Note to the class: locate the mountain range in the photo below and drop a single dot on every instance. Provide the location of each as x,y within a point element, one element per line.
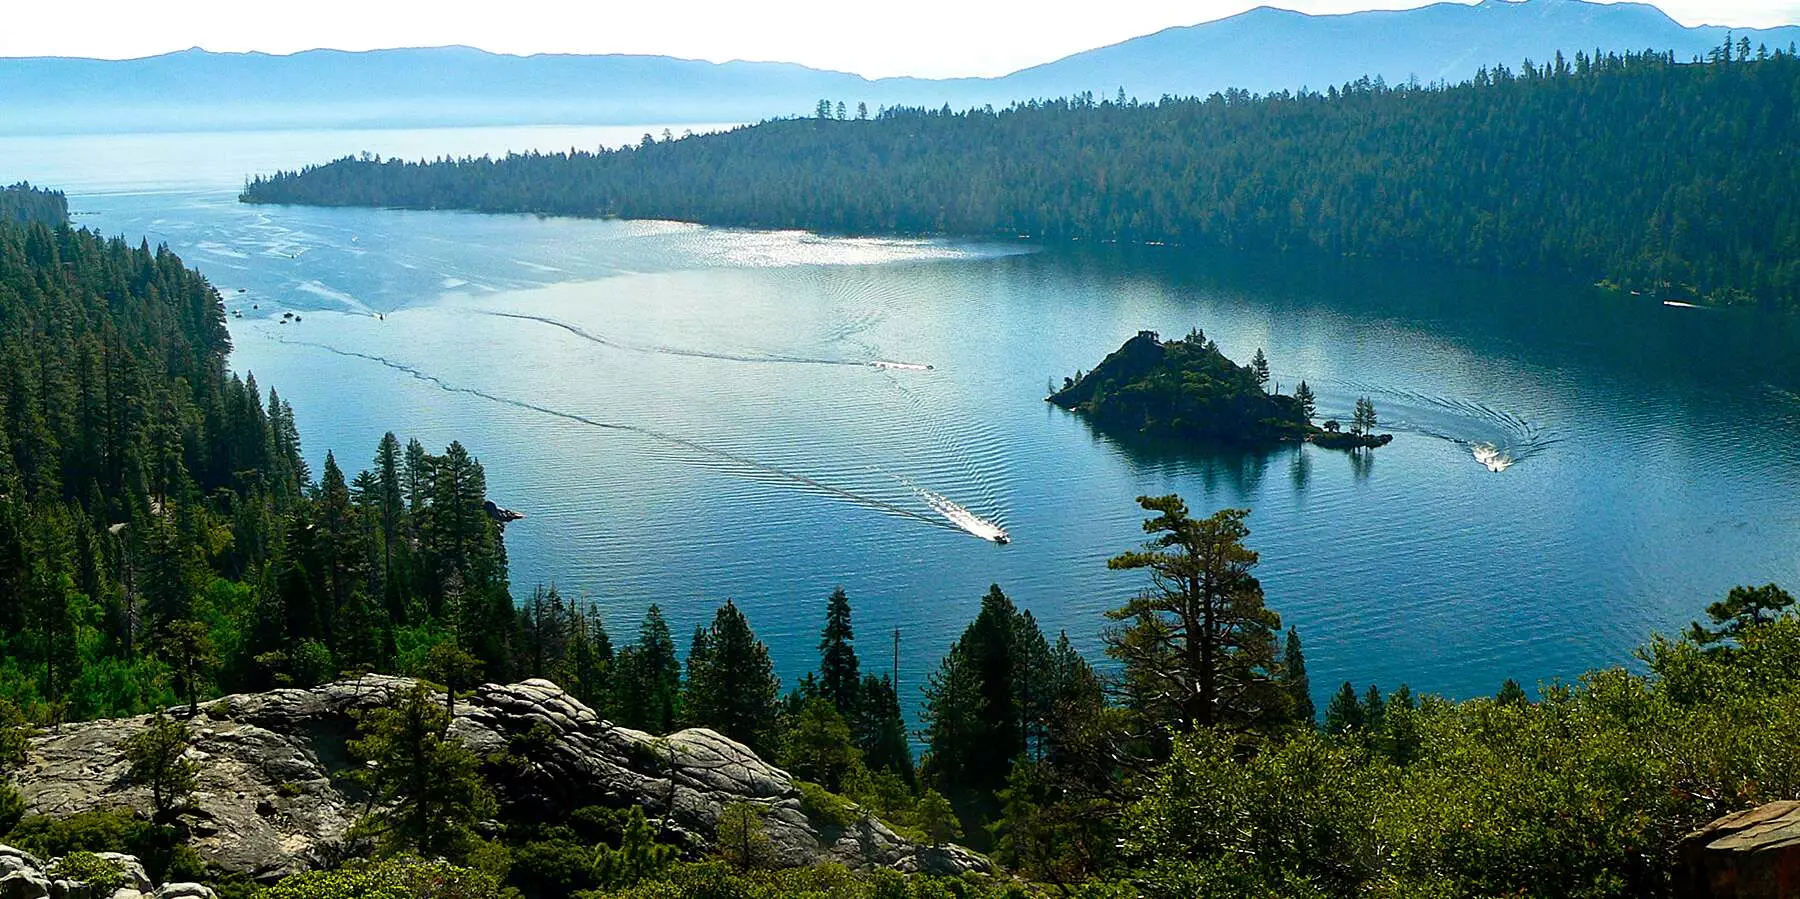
<point>1264,49</point>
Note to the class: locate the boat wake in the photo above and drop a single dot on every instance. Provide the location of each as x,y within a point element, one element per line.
<point>955,517</point>
<point>1494,458</point>
<point>1495,438</point>
<point>663,350</point>
<point>962,517</point>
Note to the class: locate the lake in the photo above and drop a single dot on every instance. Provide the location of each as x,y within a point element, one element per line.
<point>688,415</point>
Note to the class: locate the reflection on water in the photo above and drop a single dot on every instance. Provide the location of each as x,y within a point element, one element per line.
<point>690,414</point>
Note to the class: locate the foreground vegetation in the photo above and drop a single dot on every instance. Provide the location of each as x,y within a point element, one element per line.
<point>1669,179</point>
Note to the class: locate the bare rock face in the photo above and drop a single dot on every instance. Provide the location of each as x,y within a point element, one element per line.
<point>1752,854</point>
<point>273,798</point>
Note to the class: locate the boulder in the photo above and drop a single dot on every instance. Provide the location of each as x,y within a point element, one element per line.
<point>273,798</point>
<point>72,889</point>
<point>24,878</point>
<point>184,891</point>
<point>1752,854</point>
<point>17,860</point>
<point>24,885</point>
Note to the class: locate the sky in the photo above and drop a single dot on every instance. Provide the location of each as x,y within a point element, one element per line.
<point>926,38</point>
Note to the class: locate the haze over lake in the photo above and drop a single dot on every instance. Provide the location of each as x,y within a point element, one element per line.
<point>689,414</point>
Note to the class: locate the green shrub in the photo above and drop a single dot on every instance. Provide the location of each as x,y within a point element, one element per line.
<point>639,856</point>
<point>162,851</point>
<point>827,807</point>
<point>553,868</point>
<point>394,878</point>
<point>718,880</point>
<point>101,830</point>
<point>85,867</point>
<point>12,808</point>
<point>177,862</point>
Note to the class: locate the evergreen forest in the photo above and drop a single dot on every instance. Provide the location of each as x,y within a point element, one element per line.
<point>1666,178</point>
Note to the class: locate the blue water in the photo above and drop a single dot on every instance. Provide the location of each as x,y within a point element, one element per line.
<point>689,414</point>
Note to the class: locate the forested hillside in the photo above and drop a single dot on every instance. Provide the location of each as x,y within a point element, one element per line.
<point>23,204</point>
<point>155,511</point>
<point>1671,179</point>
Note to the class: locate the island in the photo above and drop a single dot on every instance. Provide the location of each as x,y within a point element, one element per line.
<point>1190,390</point>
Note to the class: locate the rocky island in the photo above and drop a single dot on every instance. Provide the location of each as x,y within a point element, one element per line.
<point>1190,390</point>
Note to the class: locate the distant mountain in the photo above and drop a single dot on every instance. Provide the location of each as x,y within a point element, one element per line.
<point>1271,49</point>
<point>1261,50</point>
<point>199,90</point>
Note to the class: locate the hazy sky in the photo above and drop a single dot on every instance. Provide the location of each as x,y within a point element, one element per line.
<point>933,38</point>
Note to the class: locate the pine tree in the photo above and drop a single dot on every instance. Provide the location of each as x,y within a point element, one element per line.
<point>1345,712</point>
<point>880,729</point>
<point>731,685</point>
<point>1374,712</point>
<point>337,543</point>
<point>956,724</point>
<point>817,746</point>
<point>156,758</point>
<point>587,669</point>
<point>1198,645</point>
<point>452,666</point>
<point>647,677</point>
<point>544,634</point>
<point>188,648</point>
<point>1362,420</point>
<point>1742,609</point>
<point>1034,685</point>
<point>390,503</point>
<point>1309,404</point>
<point>1259,367</point>
<point>937,819</point>
<point>1294,680</point>
<point>427,784</point>
<point>975,708</point>
<point>838,674</point>
<point>1511,694</point>
<point>1400,736</point>
<point>638,858</point>
<point>417,477</point>
<point>742,838</point>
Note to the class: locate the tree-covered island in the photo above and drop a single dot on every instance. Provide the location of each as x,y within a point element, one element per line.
<point>1188,389</point>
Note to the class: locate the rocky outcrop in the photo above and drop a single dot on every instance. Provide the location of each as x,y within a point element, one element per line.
<point>22,876</point>
<point>1753,854</point>
<point>273,798</point>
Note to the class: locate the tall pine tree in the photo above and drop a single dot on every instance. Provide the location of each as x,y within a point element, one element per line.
<point>731,685</point>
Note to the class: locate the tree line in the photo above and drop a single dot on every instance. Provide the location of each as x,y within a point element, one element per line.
<point>1195,764</point>
<point>22,204</point>
<point>1665,178</point>
<point>161,534</point>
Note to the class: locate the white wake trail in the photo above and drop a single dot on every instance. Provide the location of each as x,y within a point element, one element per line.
<point>1491,456</point>
<point>961,517</point>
